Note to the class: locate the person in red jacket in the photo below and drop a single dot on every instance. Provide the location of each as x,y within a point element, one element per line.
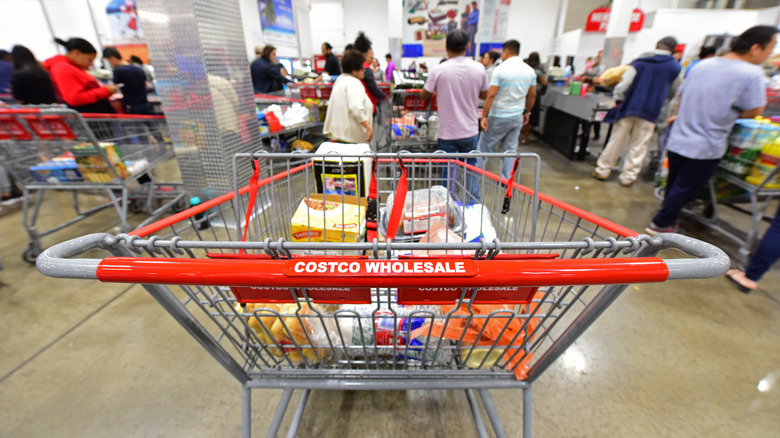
<point>73,84</point>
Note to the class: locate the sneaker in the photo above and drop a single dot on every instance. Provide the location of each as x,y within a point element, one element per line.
<point>598,177</point>
<point>10,199</point>
<point>626,183</point>
<point>654,229</point>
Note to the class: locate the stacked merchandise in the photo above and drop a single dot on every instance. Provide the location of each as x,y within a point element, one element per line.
<point>92,165</point>
<point>276,118</point>
<point>84,163</point>
<point>58,169</point>
<point>422,126</point>
<point>754,151</point>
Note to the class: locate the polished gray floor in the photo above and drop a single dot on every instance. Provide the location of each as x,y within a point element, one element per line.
<point>676,359</point>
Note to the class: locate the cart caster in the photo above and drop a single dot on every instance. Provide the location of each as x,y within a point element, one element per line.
<point>179,206</point>
<point>136,206</point>
<point>31,254</point>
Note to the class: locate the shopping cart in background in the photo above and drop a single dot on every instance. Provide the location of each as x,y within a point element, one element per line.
<point>113,156</point>
<point>502,281</point>
<point>414,125</point>
<point>295,119</point>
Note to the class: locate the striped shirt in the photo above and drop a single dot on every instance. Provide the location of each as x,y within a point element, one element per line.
<point>513,78</point>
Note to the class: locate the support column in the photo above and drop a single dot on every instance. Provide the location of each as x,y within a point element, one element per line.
<point>202,72</point>
<point>617,30</point>
<point>560,25</point>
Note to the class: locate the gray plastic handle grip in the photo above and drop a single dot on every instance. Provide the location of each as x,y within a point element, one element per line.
<point>710,260</point>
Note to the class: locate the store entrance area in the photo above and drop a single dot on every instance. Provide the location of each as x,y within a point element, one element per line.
<point>680,359</point>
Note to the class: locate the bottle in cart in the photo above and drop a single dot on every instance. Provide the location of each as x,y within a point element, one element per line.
<point>433,127</point>
<point>200,218</point>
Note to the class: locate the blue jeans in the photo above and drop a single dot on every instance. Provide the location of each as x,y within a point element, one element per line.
<point>504,131</point>
<point>768,251</point>
<point>686,179</point>
<point>450,178</point>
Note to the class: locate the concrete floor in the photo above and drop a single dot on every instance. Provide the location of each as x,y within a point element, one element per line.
<point>678,359</point>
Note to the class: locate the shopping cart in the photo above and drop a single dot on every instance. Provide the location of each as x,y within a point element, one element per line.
<point>52,148</point>
<point>301,127</point>
<point>414,125</point>
<point>278,310</point>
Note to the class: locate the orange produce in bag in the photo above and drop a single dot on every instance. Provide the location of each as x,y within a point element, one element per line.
<point>495,335</point>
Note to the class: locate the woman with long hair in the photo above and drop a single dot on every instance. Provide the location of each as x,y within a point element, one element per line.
<point>73,84</point>
<point>541,80</point>
<point>30,83</point>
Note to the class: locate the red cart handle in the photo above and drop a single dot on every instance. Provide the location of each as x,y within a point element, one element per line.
<point>356,272</point>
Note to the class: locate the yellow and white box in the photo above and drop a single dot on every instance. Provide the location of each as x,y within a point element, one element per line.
<point>319,219</point>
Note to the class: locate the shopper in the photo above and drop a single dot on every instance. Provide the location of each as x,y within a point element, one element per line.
<point>379,75</point>
<point>507,108</point>
<point>349,109</point>
<point>490,59</point>
<point>6,71</point>
<point>331,61</point>
<point>541,80</point>
<point>132,81</point>
<point>717,92</point>
<point>73,84</point>
<point>30,83</point>
<point>595,68</point>
<point>148,71</point>
<point>766,255</point>
<point>363,45</point>
<point>646,84</point>
<point>706,52</point>
<point>266,77</point>
<point>458,83</point>
<point>390,68</point>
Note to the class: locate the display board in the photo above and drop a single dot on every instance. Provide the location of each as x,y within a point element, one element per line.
<point>127,36</point>
<point>427,23</point>
<point>278,22</point>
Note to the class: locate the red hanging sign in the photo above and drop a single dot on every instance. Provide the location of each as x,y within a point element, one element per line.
<point>599,17</point>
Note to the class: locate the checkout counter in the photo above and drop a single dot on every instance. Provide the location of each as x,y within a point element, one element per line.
<point>565,121</point>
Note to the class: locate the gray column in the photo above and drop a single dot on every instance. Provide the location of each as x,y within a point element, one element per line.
<point>202,72</point>
<point>617,30</point>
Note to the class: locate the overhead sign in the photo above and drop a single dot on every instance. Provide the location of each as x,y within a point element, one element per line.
<point>599,17</point>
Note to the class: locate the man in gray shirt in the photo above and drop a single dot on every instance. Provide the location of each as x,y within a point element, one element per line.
<point>716,93</point>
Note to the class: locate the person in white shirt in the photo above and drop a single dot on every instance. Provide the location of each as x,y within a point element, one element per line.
<point>510,99</point>
<point>349,109</point>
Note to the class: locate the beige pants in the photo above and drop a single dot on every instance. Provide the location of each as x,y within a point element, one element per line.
<point>638,132</point>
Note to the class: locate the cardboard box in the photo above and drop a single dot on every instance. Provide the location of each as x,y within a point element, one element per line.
<point>322,218</point>
<point>346,171</point>
<point>60,169</point>
<point>94,167</point>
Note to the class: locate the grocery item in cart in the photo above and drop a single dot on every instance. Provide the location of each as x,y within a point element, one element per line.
<point>426,206</point>
<point>481,337</point>
<point>765,165</point>
<point>438,233</point>
<point>323,218</point>
<point>60,169</point>
<point>346,170</point>
<point>287,336</point>
<point>92,165</point>
<point>397,333</point>
<point>478,224</point>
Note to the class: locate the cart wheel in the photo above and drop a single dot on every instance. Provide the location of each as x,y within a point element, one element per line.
<point>659,192</point>
<point>136,206</point>
<point>179,206</point>
<point>31,254</point>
